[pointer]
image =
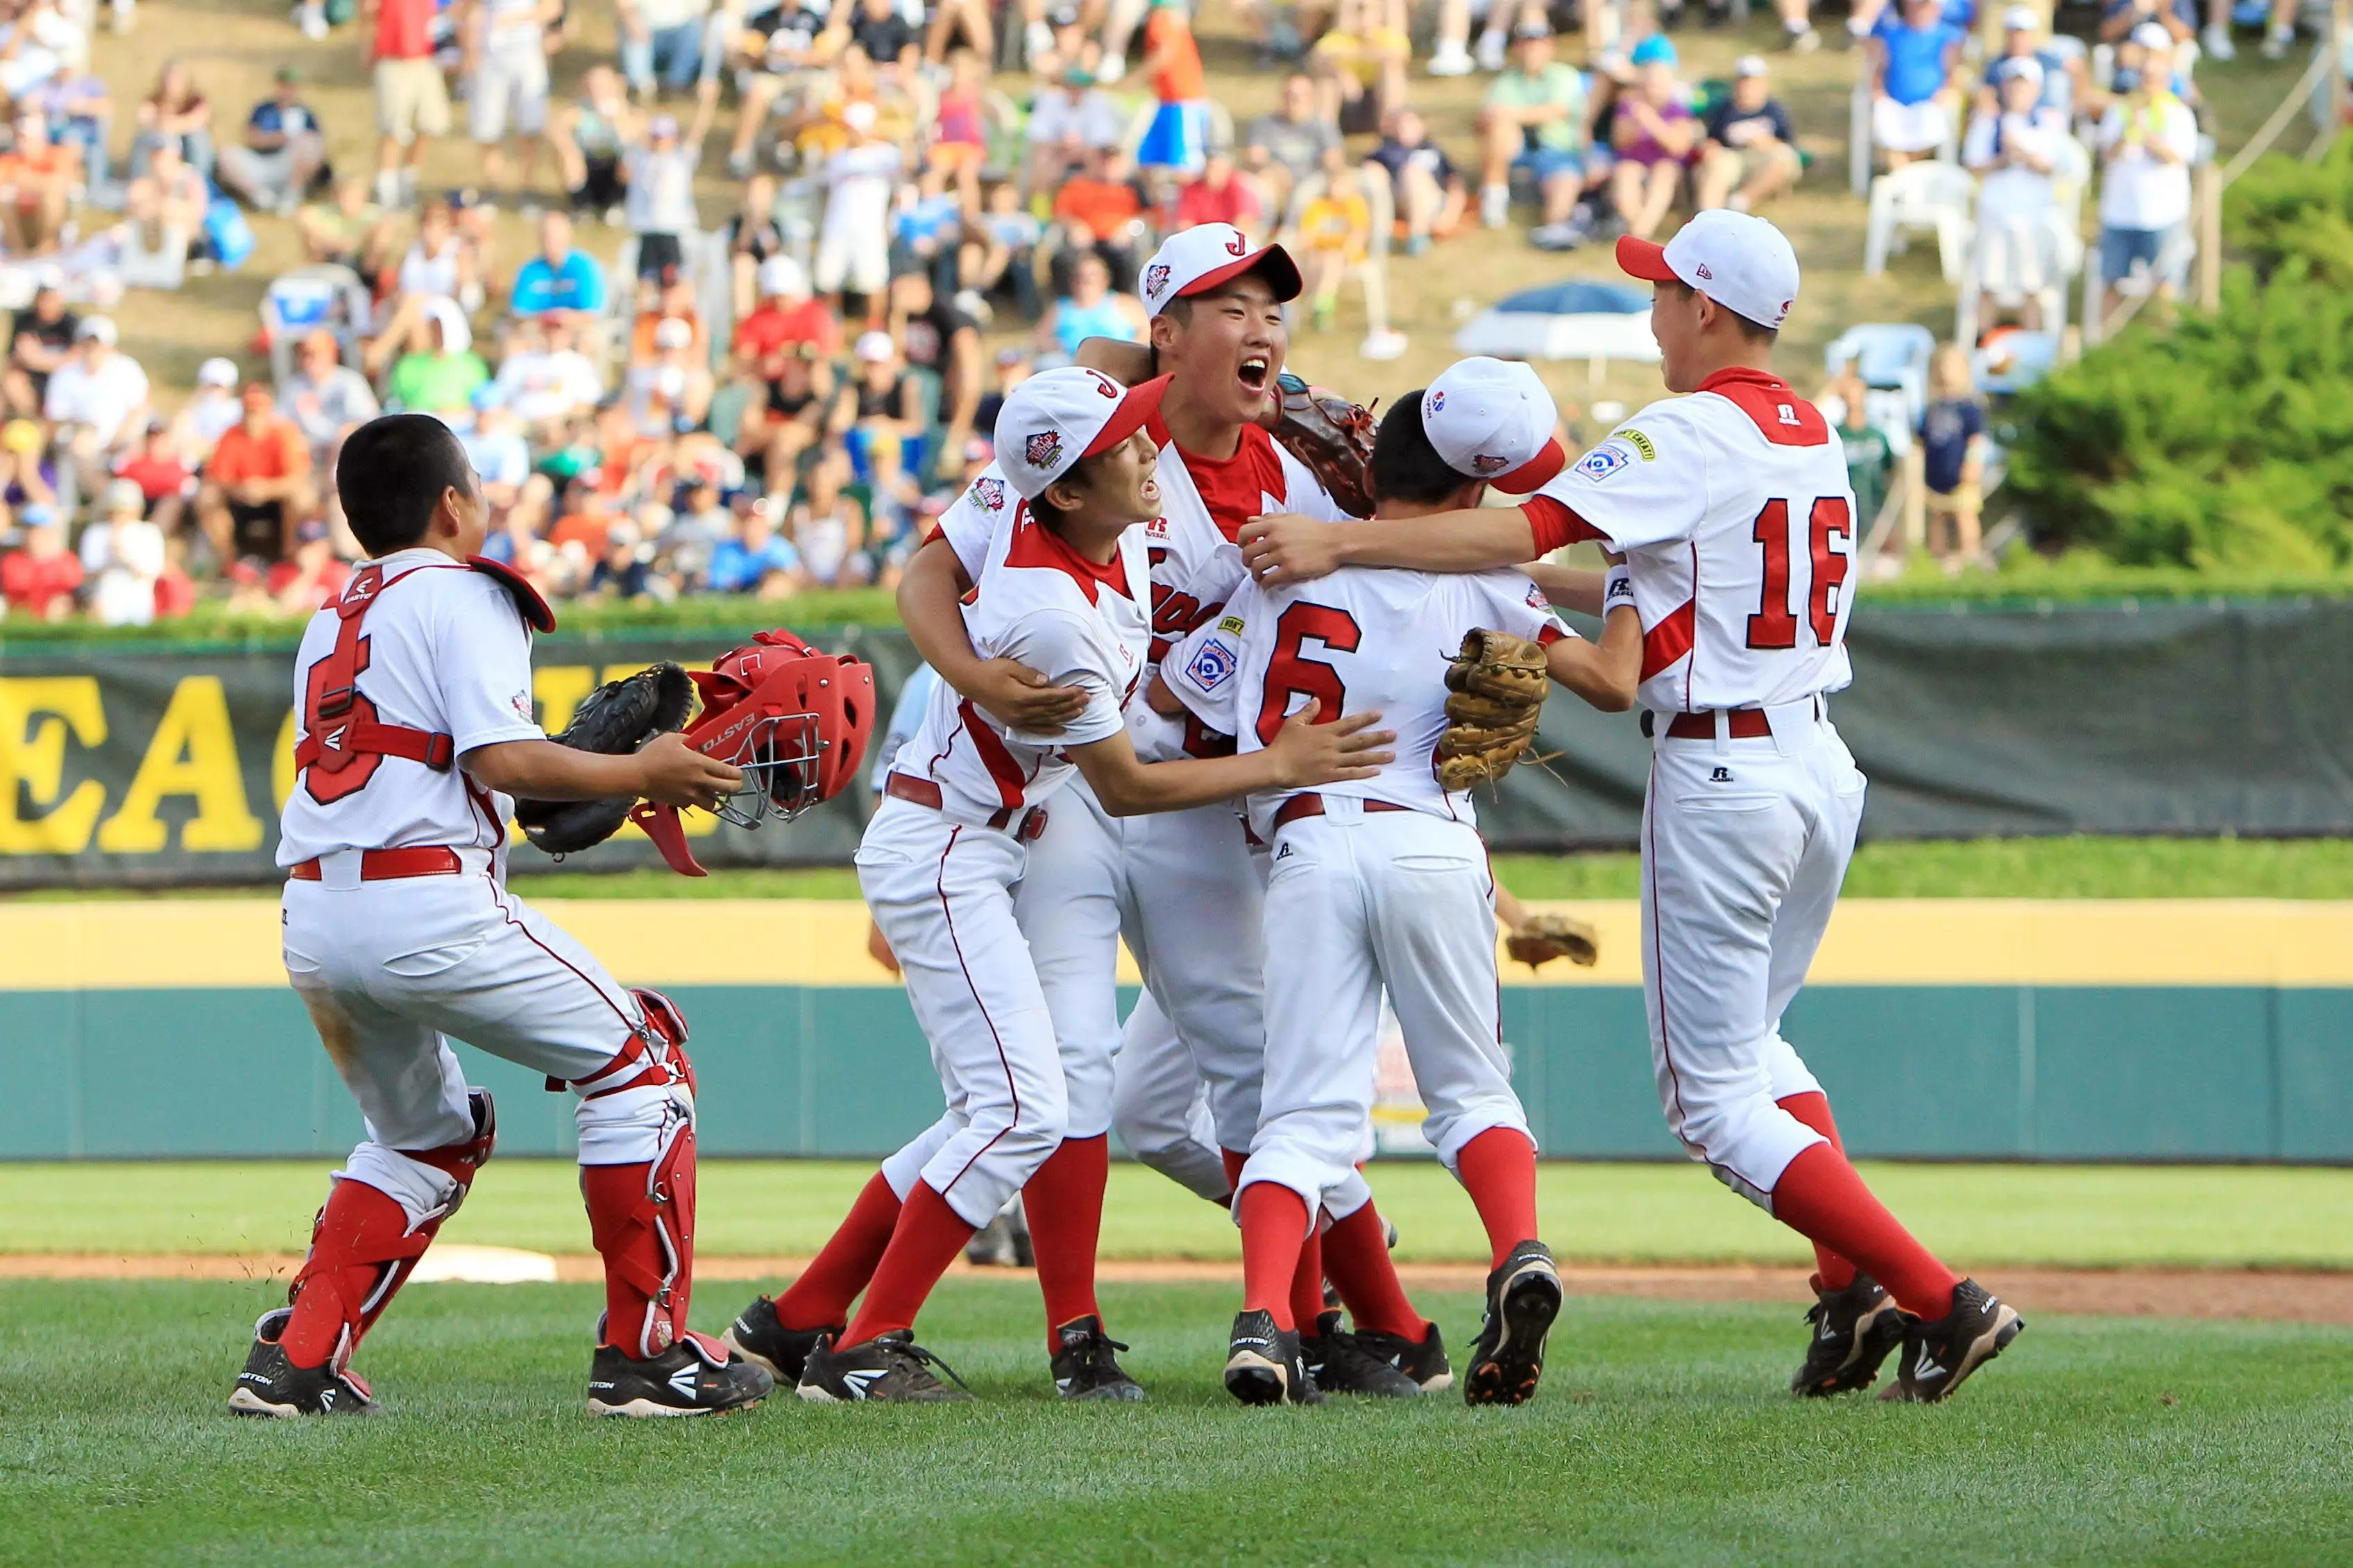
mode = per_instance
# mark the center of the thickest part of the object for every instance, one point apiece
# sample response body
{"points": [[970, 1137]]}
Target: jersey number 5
{"points": [[1775, 626], [1288, 675]]}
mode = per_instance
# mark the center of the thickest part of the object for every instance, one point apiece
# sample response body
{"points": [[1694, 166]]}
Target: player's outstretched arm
{"points": [[667, 771], [1575, 588], [1605, 673], [1284, 548], [1302, 755], [929, 592]]}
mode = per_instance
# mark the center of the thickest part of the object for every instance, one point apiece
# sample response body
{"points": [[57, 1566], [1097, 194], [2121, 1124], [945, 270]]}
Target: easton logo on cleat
{"points": [[858, 1382], [681, 1382], [1042, 449]]}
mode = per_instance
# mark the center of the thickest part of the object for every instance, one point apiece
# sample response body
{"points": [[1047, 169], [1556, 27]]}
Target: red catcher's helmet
{"points": [[796, 721]]}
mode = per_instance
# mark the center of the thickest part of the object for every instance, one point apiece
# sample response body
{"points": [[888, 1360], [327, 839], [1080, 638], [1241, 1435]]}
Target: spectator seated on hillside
{"points": [[789, 319], [2012, 150], [2066, 74], [960, 127], [1536, 120], [2152, 49], [40, 337], [1751, 154], [325, 398], [36, 41], [165, 478], [1359, 64], [941, 344], [283, 150], [438, 370], [757, 560], [28, 475], [440, 264], [348, 230], [927, 227], [39, 176], [1869, 456], [772, 54], [562, 279], [1285, 147], [2148, 139], [1427, 191], [589, 135], [626, 570], [1093, 309], [545, 379], [1336, 234], [211, 412], [1071, 118], [175, 114], [999, 253], [669, 392], [1914, 68], [1220, 195], [495, 446], [1654, 135], [312, 577], [169, 200], [39, 578], [124, 558], [96, 403], [79, 110], [258, 485], [664, 38], [1100, 210], [751, 235], [886, 410], [828, 525]]}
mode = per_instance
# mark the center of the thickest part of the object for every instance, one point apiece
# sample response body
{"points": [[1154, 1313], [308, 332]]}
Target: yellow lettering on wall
{"points": [[194, 754], [281, 762], [35, 714], [558, 688]]}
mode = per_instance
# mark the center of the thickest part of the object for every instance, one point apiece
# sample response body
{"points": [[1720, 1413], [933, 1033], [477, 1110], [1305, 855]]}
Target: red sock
{"points": [[820, 1297], [1356, 1258], [1307, 1281], [1064, 1202], [1831, 1272], [926, 1239], [1498, 1169], [1822, 1198], [360, 1234], [1275, 1230], [1234, 1164]]}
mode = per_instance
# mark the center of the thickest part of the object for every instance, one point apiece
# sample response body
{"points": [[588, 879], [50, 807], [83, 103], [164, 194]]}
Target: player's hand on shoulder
{"points": [[1306, 753], [1283, 547], [678, 775], [1020, 699]]}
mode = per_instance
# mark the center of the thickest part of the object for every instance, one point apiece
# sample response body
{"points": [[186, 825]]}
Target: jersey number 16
{"points": [[1775, 624]]}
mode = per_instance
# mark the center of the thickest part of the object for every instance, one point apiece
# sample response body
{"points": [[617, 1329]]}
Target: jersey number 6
{"points": [[1774, 625], [1288, 675]]}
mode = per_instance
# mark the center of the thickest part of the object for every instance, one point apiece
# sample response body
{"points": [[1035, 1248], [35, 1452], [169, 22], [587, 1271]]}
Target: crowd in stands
{"points": [[779, 398]]}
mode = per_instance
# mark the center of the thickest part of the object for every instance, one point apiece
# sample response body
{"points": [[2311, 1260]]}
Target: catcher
{"points": [[1384, 883]]}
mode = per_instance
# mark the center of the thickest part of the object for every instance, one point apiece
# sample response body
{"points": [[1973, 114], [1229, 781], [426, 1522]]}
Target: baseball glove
{"points": [[1332, 436], [1497, 686], [616, 718], [1541, 938]]}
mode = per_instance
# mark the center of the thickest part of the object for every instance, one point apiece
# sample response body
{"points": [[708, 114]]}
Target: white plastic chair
{"points": [[321, 294], [1928, 196], [1891, 358], [165, 266]]}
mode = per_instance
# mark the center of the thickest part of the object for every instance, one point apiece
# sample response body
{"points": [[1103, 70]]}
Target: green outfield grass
{"points": [[2069, 868], [1662, 1436], [1980, 1216]]}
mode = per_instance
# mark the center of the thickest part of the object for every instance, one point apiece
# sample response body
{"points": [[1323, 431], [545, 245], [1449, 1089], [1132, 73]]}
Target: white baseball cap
{"points": [[874, 348], [98, 327], [782, 277], [2022, 19], [216, 373], [1197, 260], [2152, 36], [1058, 416], [2019, 68], [1737, 259], [1492, 419]]}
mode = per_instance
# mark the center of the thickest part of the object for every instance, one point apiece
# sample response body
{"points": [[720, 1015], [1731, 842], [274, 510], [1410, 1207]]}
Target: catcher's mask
{"points": [[795, 720]]}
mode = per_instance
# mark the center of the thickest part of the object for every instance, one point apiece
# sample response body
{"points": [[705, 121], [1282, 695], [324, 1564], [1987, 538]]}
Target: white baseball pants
{"points": [[1743, 845], [392, 971], [1355, 901], [942, 893], [1160, 1105]]}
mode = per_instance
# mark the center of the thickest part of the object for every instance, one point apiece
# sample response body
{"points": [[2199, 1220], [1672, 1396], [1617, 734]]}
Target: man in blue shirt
{"points": [[761, 562], [284, 149], [1913, 83], [562, 279]]}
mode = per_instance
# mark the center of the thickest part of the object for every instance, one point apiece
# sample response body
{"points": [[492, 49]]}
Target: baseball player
{"points": [[414, 692], [1067, 595], [1384, 884], [1730, 502]]}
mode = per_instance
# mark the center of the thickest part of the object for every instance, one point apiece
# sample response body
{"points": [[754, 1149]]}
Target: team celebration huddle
{"points": [[1224, 696]]}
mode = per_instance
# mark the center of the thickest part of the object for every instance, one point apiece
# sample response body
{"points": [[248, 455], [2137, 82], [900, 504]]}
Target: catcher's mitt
{"points": [[1496, 687], [1332, 436], [616, 718], [1541, 938]]}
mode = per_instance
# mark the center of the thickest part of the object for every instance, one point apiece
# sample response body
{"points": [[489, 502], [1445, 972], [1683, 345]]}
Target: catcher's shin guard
{"points": [[363, 1247], [642, 1215]]}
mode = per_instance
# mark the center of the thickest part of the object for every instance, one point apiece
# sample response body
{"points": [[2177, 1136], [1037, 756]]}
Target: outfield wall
{"points": [[2163, 1030]]}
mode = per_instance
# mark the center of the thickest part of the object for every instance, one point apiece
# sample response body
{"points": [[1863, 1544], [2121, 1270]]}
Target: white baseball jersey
{"points": [[1733, 508], [446, 651], [512, 27], [1361, 639], [1038, 600]]}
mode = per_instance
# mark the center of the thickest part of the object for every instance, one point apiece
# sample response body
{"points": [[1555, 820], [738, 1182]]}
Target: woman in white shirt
{"points": [[2014, 150]]}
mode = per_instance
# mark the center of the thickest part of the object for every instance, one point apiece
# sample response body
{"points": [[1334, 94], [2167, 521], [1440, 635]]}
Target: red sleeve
{"points": [[1549, 634], [1554, 525]]}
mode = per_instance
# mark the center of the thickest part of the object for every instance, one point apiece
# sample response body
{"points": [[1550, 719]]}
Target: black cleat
{"points": [[271, 1385], [696, 1377], [889, 1369], [1004, 1241], [1854, 1330], [1084, 1366], [758, 1338], [1343, 1363], [1263, 1365], [1523, 1297], [1422, 1360], [1938, 1357]]}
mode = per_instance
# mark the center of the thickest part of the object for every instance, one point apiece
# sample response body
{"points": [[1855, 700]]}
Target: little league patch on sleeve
{"points": [[989, 491], [1212, 666], [1604, 460]]}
